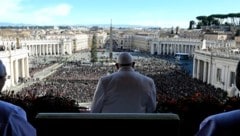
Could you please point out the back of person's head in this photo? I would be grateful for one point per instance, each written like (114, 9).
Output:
(125, 59)
(2, 75)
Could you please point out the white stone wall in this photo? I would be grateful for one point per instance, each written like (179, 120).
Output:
(206, 63)
(17, 65)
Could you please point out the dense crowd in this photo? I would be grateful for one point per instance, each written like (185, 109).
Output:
(177, 92)
(78, 82)
(71, 80)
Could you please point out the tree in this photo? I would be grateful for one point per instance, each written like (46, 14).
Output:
(220, 18)
(203, 20)
(177, 29)
(191, 24)
(199, 25)
(216, 22)
(210, 20)
(93, 51)
(172, 30)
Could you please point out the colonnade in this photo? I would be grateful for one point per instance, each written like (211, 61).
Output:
(17, 66)
(45, 49)
(202, 67)
(170, 47)
(215, 69)
(41, 47)
(56, 47)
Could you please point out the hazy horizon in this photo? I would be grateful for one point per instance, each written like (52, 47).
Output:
(158, 13)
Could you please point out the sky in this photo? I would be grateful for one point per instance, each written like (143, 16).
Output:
(157, 13)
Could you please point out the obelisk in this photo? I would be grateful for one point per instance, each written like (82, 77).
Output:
(111, 43)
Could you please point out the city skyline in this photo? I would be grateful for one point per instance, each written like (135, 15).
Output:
(158, 13)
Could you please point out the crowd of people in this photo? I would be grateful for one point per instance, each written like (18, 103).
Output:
(71, 80)
(79, 81)
(176, 89)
